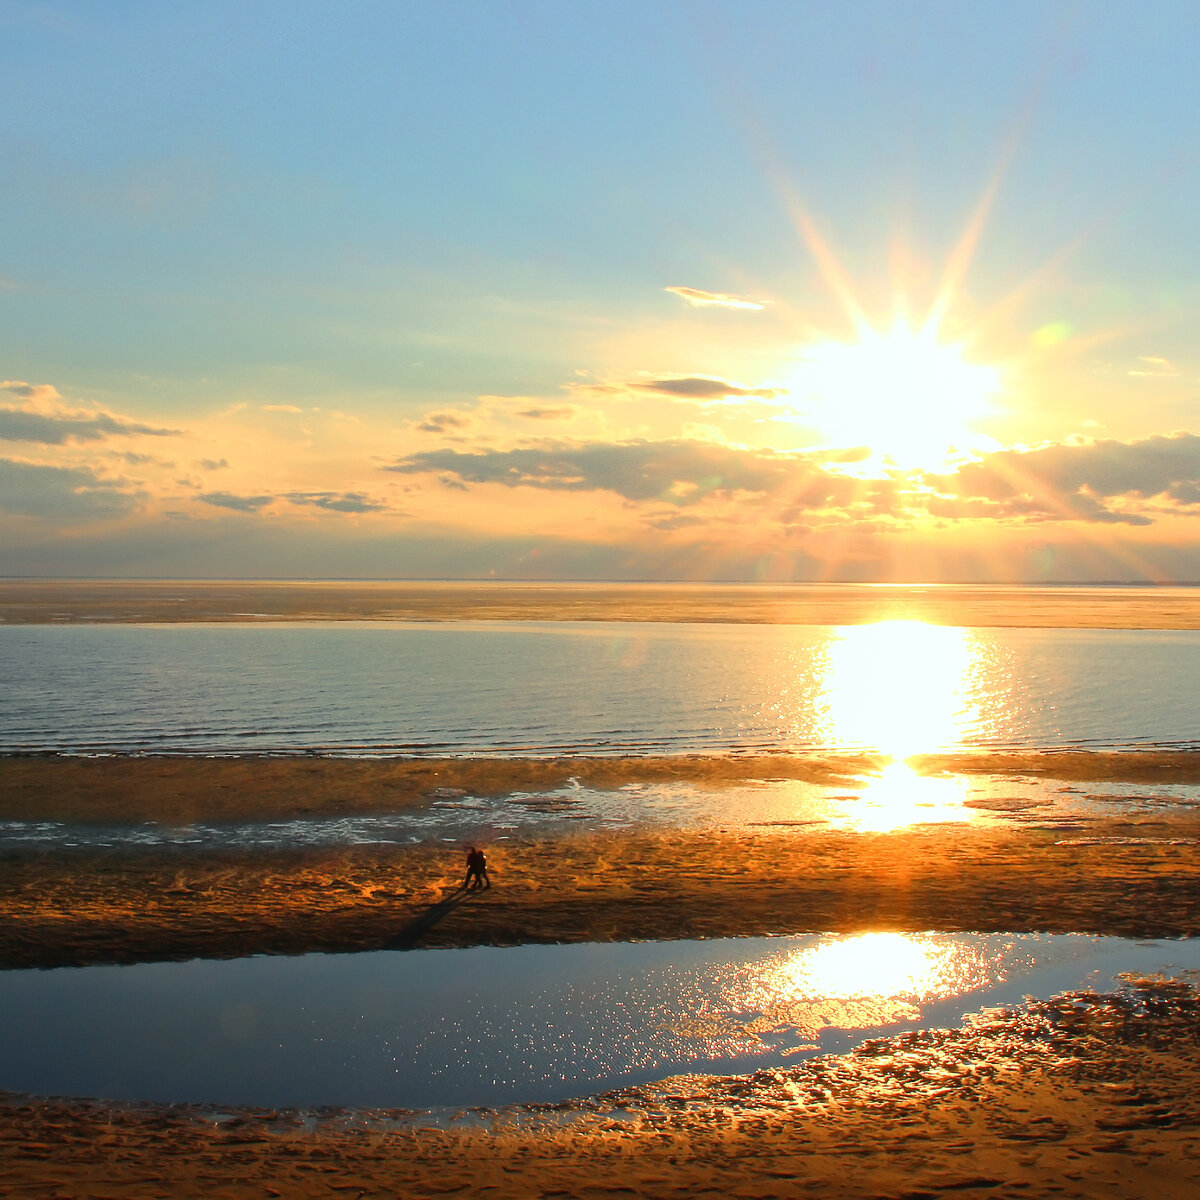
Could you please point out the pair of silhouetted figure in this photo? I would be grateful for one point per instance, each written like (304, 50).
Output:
(477, 875)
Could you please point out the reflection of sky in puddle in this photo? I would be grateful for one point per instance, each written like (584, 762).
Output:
(528, 1024)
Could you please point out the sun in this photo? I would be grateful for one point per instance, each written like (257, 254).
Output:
(907, 397)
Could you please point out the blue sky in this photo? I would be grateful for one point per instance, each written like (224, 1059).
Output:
(307, 269)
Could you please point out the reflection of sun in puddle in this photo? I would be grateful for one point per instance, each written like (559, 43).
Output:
(875, 965)
(900, 797)
(869, 981)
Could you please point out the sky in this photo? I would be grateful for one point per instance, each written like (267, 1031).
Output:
(524, 289)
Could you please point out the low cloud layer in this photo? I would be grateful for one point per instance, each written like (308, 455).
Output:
(243, 504)
(19, 426)
(445, 422)
(679, 472)
(29, 489)
(1077, 481)
(343, 502)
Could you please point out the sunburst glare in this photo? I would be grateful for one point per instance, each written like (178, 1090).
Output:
(903, 394)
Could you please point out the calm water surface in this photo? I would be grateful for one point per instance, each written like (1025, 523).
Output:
(592, 688)
(531, 1024)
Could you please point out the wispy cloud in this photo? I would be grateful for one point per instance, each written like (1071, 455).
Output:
(343, 502)
(1154, 367)
(560, 413)
(704, 387)
(45, 417)
(17, 425)
(31, 391)
(442, 422)
(1077, 481)
(244, 504)
(698, 298)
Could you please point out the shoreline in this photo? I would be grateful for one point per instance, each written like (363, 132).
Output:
(83, 907)
(179, 789)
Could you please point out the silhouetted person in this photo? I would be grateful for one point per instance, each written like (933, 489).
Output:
(477, 875)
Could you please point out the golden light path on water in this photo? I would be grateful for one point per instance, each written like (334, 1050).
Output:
(901, 688)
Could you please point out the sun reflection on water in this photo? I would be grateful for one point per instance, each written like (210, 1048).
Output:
(898, 796)
(899, 687)
(875, 966)
(871, 980)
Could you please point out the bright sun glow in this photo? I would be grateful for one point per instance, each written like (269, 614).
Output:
(899, 797)
(871, 965)
(899, 687)
(903, 394)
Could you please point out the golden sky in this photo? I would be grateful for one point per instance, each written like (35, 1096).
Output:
(599, 291)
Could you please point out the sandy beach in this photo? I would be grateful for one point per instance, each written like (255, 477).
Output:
(1086, 1098)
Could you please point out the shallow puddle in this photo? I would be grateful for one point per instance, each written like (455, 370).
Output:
(485, 1026)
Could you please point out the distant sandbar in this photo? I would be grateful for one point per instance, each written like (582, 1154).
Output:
(136, 602)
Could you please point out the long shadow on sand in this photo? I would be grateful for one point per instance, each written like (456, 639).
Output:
(416, 929)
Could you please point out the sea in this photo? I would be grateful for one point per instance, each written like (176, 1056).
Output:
(586, 688)
(591, 688)
(566, 1021)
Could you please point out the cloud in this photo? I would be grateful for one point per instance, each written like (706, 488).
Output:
(19, 426)
(440, 422)
(30, 391)
(1073, 481)
(1154, 367)
(213, 464)
(45, 420)
(29, 489)
(344, 502)
(704, 387)
(679, 472)
(561, 413)
(281, 408)
(698, 298)
(245, 504)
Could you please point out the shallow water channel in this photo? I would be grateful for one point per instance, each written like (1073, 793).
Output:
(485, 1026)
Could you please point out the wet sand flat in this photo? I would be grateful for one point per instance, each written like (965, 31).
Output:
(1127, 874)
(68, 601)
(76, 907)
(181, 789)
